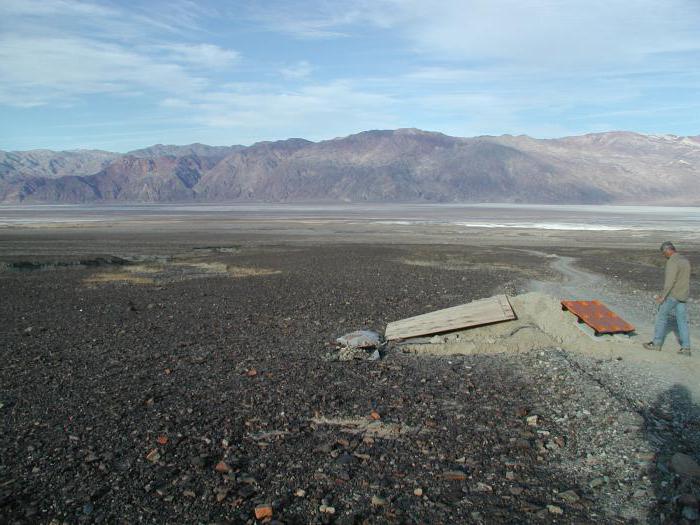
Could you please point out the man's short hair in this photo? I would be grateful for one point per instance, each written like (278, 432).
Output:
(668, 245)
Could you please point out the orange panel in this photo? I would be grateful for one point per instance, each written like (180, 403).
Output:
(596, 315)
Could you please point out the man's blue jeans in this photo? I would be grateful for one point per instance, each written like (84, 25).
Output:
(665, 309)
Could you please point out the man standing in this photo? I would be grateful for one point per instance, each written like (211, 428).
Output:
(673, 298)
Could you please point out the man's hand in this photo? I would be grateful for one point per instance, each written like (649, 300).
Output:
(658, 299)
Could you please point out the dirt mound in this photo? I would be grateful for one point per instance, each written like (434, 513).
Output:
(541, 323)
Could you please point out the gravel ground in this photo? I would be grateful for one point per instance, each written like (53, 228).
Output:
(183, 393)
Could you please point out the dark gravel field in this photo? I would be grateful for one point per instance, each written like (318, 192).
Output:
(195, 390)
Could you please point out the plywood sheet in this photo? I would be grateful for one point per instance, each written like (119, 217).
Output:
(598, 316)
(485, 311)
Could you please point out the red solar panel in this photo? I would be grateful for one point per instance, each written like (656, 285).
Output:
(598, 316)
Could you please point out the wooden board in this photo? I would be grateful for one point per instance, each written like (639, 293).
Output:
(478, 313)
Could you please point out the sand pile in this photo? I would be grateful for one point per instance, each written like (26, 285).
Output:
(541, 323)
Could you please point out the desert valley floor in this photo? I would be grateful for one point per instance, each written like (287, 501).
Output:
(160, 371)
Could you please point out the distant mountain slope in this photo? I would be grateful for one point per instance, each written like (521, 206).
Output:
(16, 165)
(393, 166)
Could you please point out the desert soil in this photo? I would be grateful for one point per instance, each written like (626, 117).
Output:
(185, 379)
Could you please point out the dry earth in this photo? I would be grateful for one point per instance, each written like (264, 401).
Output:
(182, 380)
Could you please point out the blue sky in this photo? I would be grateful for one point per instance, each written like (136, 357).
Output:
(119, 75)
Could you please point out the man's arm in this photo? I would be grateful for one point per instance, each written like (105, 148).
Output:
(671, 274)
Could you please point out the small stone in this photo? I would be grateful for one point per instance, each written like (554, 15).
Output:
(510, 475)
(189, 494)
(263, 511)
(532, 421)
(553, 509)
(162, 440)
(252, 372)
(222, 467)
(455, 475)
(300, 493)
(684, 465)
(646, 456)
(483, 487)
(375, 415)
(378, 502)
(199, 461)
(325, 509)
(153, 455)
(221, 495)
(418, 492)
(688, 500)
(516, 491)
(690, 513)
(521, 412)
(597, 482)
(569, 496)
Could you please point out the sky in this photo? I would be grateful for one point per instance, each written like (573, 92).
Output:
(120, 75)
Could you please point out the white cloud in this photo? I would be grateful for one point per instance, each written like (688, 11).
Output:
(56, 51)
(201, 55)
(313, 111)
(540, 34)
(301, 69)
(40, 70)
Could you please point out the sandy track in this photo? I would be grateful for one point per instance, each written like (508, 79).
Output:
(658, 371)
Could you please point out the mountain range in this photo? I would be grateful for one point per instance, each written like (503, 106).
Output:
(404, 165)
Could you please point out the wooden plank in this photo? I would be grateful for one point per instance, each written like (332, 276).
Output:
(484, 311)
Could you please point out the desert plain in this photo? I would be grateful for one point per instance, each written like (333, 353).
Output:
(164, 366)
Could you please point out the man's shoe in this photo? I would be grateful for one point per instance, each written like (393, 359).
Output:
(684, 351)
(651, 346)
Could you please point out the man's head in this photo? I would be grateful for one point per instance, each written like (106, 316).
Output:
(668, 249)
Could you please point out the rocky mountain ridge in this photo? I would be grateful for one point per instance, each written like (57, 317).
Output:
(405, 165)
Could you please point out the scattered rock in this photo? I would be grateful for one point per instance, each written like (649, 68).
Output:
(690, 513)
(569, 496)
(221, 495)
(553, 509)
(684, 465)
(378, 502)
(418, 492)
(263, 511)
(326, 509)
(153, 455)
(222, 467)
(688, 500)
(597, 482)
(532, 421)
(454, 475)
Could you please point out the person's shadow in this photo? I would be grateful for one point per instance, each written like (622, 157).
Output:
(672, 428)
